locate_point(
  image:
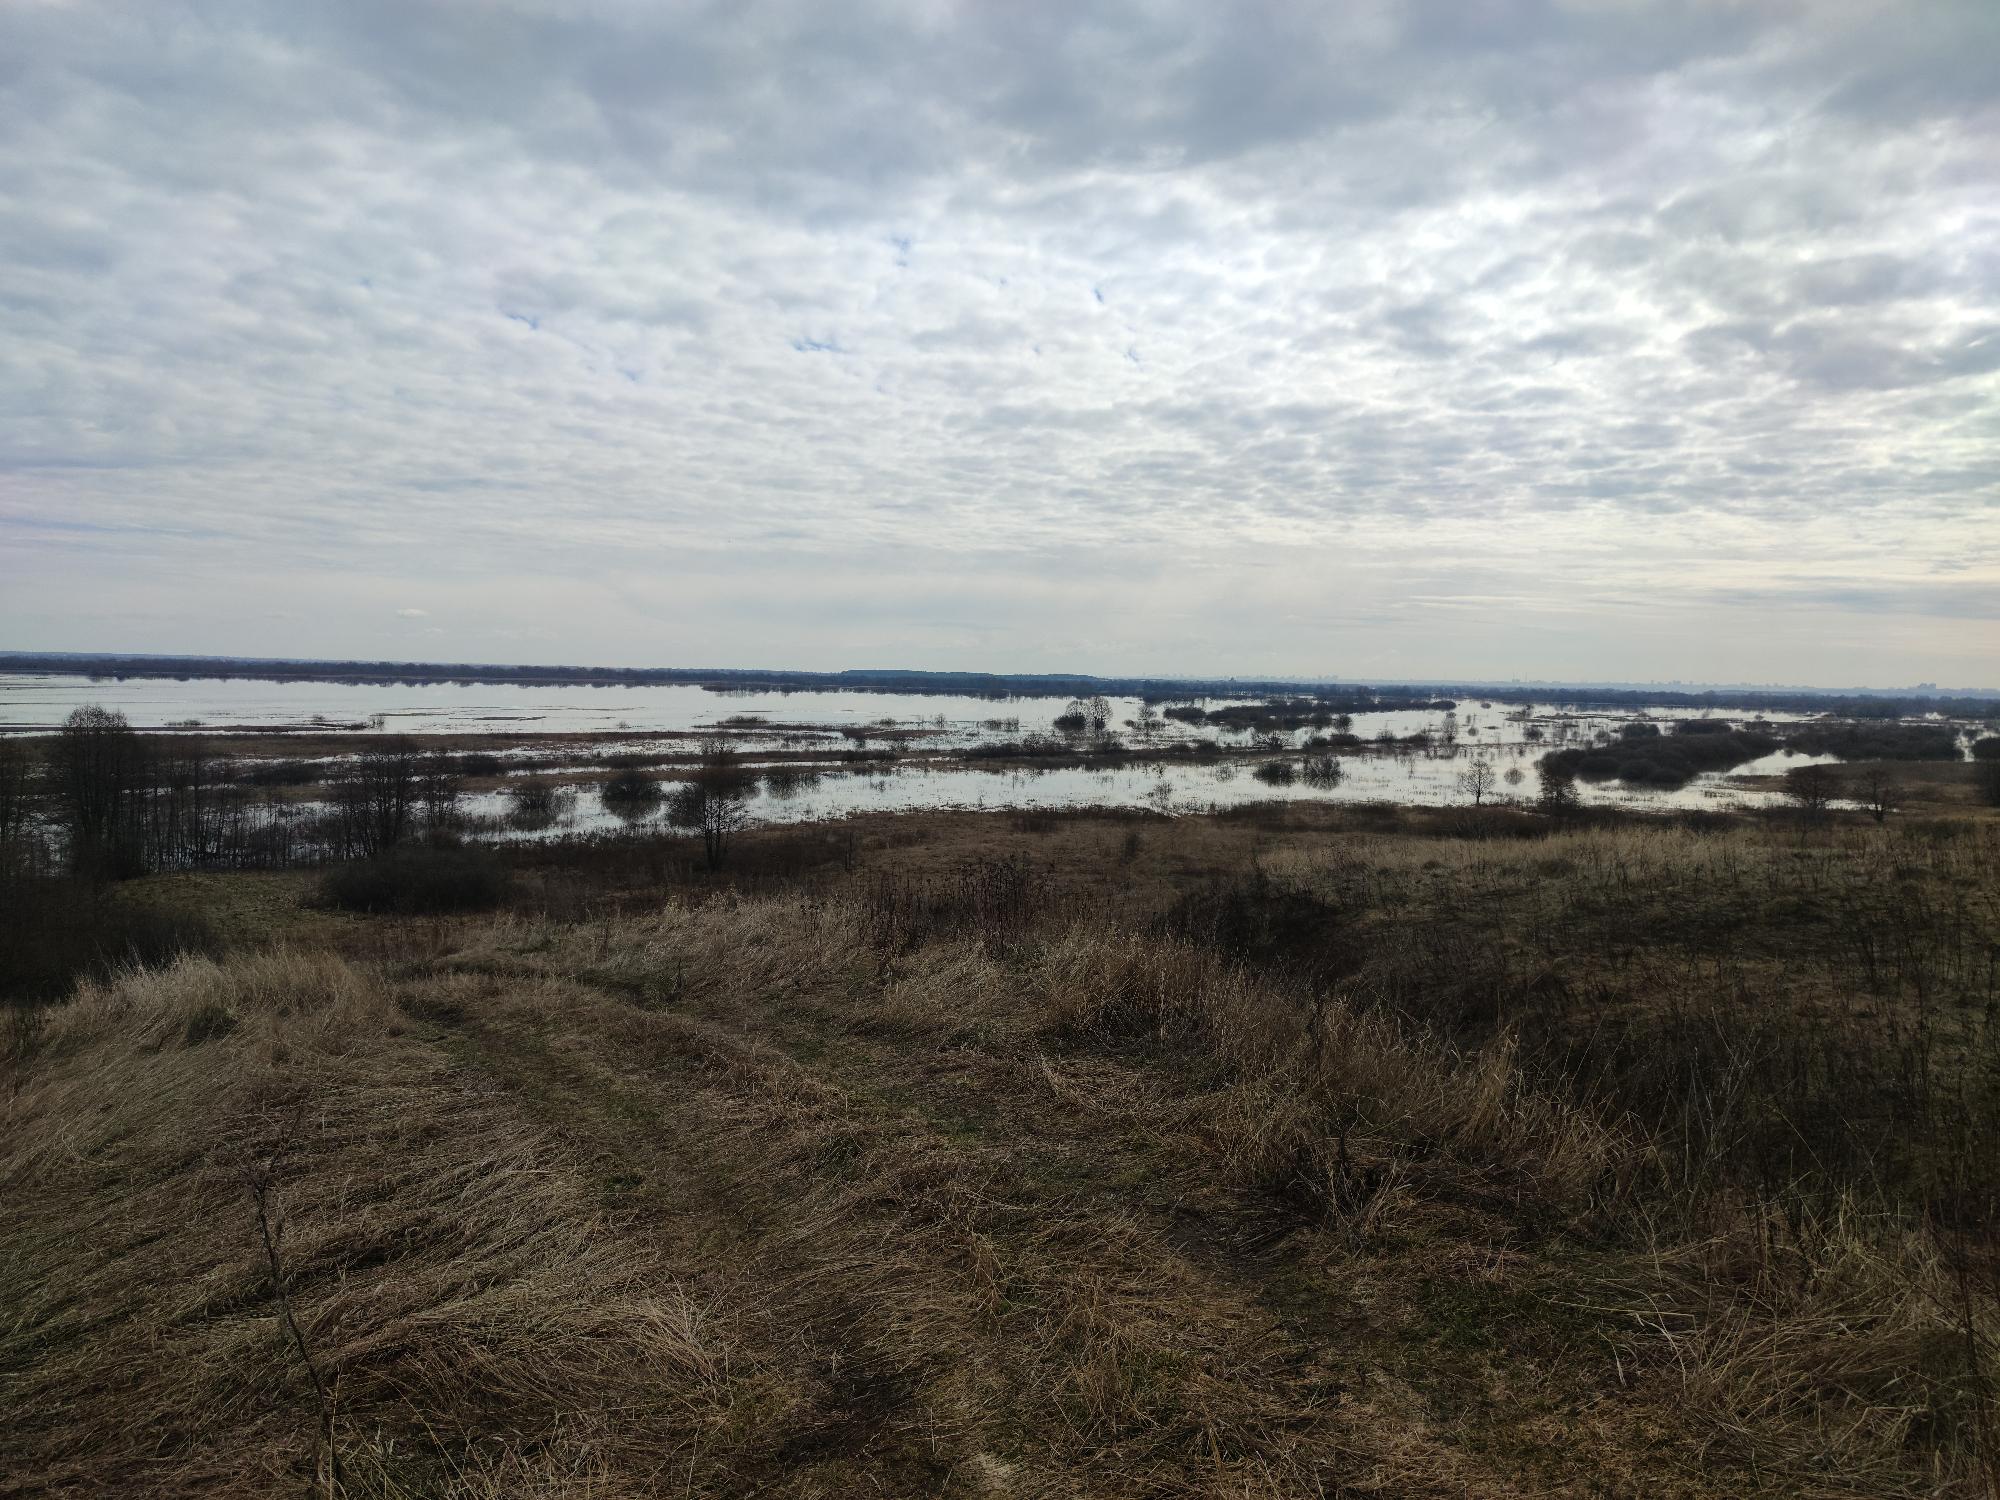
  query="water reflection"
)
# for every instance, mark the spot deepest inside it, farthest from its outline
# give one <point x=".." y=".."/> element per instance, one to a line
<point x="804" y="794"/>
<point x="1412" y="755"/>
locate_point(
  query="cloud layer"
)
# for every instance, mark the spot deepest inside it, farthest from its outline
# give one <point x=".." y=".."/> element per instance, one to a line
<point x="1510" y="338"/>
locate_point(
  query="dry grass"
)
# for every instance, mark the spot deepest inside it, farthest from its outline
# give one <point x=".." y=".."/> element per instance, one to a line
<point x="931" y="1185"/>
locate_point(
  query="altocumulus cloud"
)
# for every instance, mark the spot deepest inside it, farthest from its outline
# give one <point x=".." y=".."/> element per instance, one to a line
<point x="1417" y="338"/>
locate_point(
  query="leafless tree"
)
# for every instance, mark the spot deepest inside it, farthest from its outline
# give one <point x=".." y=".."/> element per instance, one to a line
<point x="712" y="800"/>
<point x="377" y="798"/>
<point x="1084" y="716"/>
<point x="18" y="851"/>
<point x="1875" y="789"/>
<point x="1477" y="780"/>
<point x="1322" y="772"/>
<point x="437" y="793"/>
<point x="97" y="773"/>
<point x="1812" y="788"/>
<point x="1559" y="798"/>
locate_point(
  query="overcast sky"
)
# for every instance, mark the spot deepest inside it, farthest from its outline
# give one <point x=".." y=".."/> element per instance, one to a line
<point x="1479" y="338"/>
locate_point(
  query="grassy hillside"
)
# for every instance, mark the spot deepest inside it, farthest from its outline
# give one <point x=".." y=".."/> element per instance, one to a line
<point x="1236" y="1157"/>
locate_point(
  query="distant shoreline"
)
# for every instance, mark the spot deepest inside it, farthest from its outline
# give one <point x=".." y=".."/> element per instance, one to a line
<point x="1867" y="701"/>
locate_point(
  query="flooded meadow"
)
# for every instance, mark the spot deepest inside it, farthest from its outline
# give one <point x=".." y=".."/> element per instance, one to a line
<point x="822" y="754"/>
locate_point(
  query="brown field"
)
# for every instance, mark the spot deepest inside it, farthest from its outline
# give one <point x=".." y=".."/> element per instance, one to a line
<point x="1321" y="1151"/>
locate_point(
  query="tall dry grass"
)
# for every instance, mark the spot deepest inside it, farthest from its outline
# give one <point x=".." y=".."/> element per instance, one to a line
<point x="952" y="1188"/>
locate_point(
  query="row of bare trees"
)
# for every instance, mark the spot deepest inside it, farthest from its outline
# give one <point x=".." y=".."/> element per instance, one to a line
<point x="105" y="802"/>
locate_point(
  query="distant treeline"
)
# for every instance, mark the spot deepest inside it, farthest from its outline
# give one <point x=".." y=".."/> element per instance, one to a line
<point x="721" y="679"/>
<point x="1334" y="696"/>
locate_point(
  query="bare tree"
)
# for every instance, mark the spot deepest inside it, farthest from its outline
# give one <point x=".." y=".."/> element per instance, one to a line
<point x="1559" y="798"/>
<point x="1477" y="780"/>
<point x="1812" y="788"/>
<point x="437" y="794"/>
<point x="376" y="800"/>
<point x="1322" y="772"/>
<point x="97" y="773"/>
<point x="1084" y="716"/>
<point x="18" y="844"/>
<point x="1875" y="789"/>
<point x="712" y="800"/>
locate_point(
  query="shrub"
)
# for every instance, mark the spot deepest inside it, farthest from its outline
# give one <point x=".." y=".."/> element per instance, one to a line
<point x="1276" y="773"/>
<point x="280" y="773"/>
<point x="480" y="763"/>
<point x="1988" y="773"/>
<point x="1987" y="749"/>
<point x="790" y="780"/>
<point x="1321" y="772"/>
<point x="1813" y="788"/>
<point x="631" y="793"/>
<point x="57" y="932"/>
<point x="1558" y="797"/>
<point x="537" y="804"/>
<point x="417" y="882"/>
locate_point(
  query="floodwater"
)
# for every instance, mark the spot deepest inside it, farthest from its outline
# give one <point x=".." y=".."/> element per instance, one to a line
<point x="30" y="703"/>
<point x="803" y="722"/>
<point x="1176" y="789"/>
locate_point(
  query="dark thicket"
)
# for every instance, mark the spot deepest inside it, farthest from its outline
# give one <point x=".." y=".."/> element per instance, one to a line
<point x="417" y="881"/>
<point x="376" y="800"/>
<point x="97" y="773"/>
<point x="57" y="931"/>
<point x="1877" y="741"/>
<point x="1661" y="760"/>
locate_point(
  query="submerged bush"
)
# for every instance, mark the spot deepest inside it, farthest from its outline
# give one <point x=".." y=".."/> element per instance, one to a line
<point x="631" y="794"/>
<point x="789" y="780"/>
<point x="1322" y="772"/>
<point x="280" y="773"/>
<point x="537" y="804"/>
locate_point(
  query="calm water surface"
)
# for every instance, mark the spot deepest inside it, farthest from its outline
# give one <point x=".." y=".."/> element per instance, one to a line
<point x="803" y="721"/>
